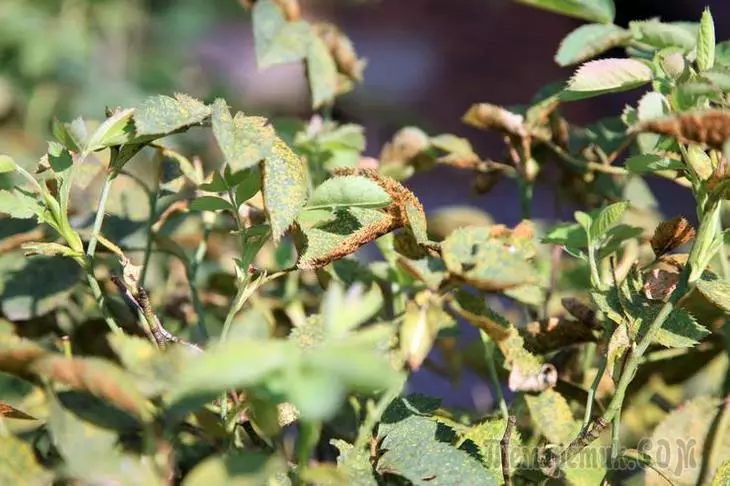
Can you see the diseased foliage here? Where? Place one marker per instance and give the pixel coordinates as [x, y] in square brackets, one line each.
[169, 321]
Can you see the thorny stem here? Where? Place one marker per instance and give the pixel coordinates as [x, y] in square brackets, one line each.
[504, 449]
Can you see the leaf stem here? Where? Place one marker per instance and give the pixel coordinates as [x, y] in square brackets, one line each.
[153, 195]
[99, 218]
[492, 370]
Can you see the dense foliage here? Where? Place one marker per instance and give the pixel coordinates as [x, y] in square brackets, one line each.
[191, 310]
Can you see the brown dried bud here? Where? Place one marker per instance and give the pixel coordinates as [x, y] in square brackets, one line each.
[709, 127]
[485, 181]
[342, 50]
[660, 284]
[671, 234]
[492, 117]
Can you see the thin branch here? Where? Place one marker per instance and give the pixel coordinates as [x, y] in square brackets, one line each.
[504, 449]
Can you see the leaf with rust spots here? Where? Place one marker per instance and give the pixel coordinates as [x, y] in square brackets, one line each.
[160, 115]
[244, 140]
[284, 187]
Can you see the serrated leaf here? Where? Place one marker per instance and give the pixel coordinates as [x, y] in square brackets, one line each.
[339, 236]
[210, 203]
[284, 187]
[115, 130]
[236, 469]
[706, 41]
[680, 330]
[606, 218]
[418, 449]
[602, 11]
[244, 140]
[349, 191]
[716, 291]
[18, 464]
[660, 35]
[679, 442]
[321, 73]
[161, 115]
[552, 416]
[641, 164]
[588, 41]
[278, 41]
[486, 437]
[603, 76]
[486, 263]
[7, 164]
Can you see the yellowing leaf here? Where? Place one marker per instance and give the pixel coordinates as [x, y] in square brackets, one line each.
[18, 464]
[284, 187]
[160, 115]
[278, 41]
[244, 140]
[322, 73]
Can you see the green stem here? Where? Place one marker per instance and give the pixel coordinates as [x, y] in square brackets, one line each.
[153, 195]
[615, 436]
[100, 301]
[192, 275]
[492, 370]
[99, 218]
[592, 392]
[309, 433]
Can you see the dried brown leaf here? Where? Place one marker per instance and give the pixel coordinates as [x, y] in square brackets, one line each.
[710, 127]
[551, 334]
[492, 117]
[671, 234]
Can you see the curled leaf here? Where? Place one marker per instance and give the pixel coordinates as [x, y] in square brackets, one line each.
[493, 117]
[707, 127]
[671, 234]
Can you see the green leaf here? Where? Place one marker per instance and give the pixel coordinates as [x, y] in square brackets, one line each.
[615, 236]
[233, 364]
[210, 203]
[602, 11]
[484, 439]
[596, 78]
[322, 73]
[18, 464]
[567, 234]
[683, 434]
[644, 163]
[161, 115]
[249, 186]
[722, 475]
[236, 469]
[337, 236]
[115, 130]
[606, 218]
[354, 464]
[418, 449]
[244, 140]
[680, 330]
[7, 164]
[284, 187]
[706, 41]
[552, 416]
[20, 204]
[722, 53]
[660, 35]
[716, 291]
[486, 263]
[349, 191]
[429, 270]
[588, 41]
[278, 41]
[91, 453]
[342, 313]
[475, 310]
[34, 287]
[417, 223]
[652, 105]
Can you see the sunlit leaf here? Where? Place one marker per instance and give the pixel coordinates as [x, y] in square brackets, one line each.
[278, 41]
[7, 164]
[20, 204]
[606, 218]
[161, 115]
[349, 191]
[115, 130]
[706, 42]
[475, 310]
[588, 41]
[552, 416]
[244, 140]
[644, 163]
[603, 76]
[284, 187]
[716, 291]
[660, 35]
[321, 73]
